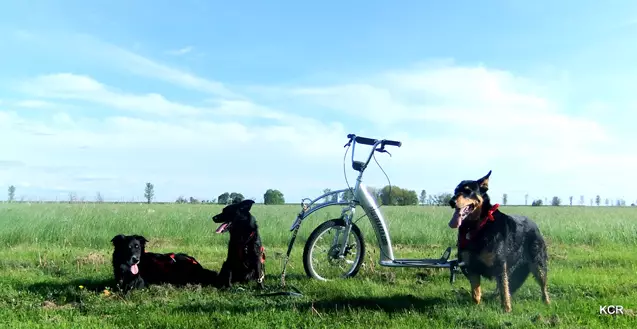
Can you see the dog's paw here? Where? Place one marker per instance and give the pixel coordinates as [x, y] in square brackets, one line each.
[224, 287]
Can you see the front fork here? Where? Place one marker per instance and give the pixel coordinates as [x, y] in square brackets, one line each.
[346, 214]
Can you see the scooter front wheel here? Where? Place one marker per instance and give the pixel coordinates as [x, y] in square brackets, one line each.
[321, 258]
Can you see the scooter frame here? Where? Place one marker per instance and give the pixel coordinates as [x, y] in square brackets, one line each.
[362, 197]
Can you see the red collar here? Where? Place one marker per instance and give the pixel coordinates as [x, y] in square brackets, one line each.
[464, 236]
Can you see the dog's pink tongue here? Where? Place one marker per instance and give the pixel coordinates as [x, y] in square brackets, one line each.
[455, 219]
[221, 228]
[134, 269]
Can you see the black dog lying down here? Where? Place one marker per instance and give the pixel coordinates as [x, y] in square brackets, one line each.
[494, 244]
[134, 268]
[246, 255]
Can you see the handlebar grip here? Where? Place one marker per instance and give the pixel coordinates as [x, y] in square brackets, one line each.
[392, 143]
[365, 140]
[372, 141]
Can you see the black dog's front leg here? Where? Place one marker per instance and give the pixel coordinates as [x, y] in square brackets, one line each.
[120, 274]
[126, 286]
[137, 283]
[225, 277]
[126, 281]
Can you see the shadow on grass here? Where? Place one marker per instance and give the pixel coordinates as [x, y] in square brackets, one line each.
[68, 292]
[276, 277]
[390, 304]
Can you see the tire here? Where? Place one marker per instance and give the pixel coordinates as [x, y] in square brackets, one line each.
[310, 244]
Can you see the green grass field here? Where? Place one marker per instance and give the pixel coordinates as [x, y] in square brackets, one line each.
[55, 266]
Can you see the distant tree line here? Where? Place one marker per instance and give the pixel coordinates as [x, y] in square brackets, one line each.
[388, 195]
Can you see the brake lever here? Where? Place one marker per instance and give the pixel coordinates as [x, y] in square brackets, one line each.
[348, 143]
[382, 150]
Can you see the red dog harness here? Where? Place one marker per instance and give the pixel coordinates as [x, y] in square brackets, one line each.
[464, 236]
[163, 263]
[243, 250]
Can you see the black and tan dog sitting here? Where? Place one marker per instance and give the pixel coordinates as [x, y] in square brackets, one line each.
[493, 244]
[246, 255]
[134, 268]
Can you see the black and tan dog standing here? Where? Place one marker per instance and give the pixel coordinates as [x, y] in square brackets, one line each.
[493, 244]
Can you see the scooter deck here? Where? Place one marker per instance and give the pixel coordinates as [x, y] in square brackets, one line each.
[427, 262]
[442, 262]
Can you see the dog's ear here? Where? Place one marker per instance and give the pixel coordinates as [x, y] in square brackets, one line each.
[484, 182]
[245, 205]
[118, 239]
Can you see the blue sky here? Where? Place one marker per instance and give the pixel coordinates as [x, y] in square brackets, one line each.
[207, 97]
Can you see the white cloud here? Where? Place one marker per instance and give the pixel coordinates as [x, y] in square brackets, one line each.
[492, 103]
[35, 104]
[455, 122]
[104, 53]
[143, 66]
[181, 51]
[186, 156]
[482, 118]
[68, 86]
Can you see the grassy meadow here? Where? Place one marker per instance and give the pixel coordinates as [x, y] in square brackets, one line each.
[55, 272]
